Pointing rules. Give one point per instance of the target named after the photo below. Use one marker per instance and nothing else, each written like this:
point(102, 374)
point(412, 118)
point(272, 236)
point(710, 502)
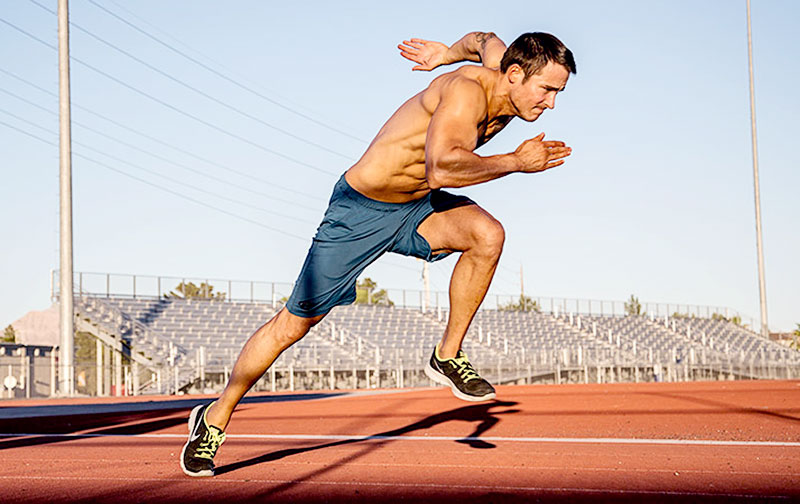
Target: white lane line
point(394, 484)
point(488, 439)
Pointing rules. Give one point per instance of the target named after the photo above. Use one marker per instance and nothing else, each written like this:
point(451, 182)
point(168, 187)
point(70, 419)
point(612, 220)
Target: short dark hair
point(532, 51)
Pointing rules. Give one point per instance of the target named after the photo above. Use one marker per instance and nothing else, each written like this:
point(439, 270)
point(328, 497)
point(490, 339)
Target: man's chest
point(489, 129)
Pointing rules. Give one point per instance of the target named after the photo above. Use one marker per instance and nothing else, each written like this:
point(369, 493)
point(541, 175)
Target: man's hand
point(426, 53)
point(537, 155)
point(483, 47)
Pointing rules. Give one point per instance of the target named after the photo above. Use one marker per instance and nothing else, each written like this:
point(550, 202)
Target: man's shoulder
point(468, 77)
point(467, 82)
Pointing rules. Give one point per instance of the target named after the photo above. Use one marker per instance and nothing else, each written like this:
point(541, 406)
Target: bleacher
point(505, 345)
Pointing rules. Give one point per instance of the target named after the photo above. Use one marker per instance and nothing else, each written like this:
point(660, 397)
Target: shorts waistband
point(346, 190)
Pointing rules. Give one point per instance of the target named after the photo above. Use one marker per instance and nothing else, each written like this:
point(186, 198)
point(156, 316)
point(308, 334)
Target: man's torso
point(393, 167)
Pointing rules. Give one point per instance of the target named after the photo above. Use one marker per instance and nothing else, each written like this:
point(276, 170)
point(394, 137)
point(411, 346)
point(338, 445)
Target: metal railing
point(226, 290)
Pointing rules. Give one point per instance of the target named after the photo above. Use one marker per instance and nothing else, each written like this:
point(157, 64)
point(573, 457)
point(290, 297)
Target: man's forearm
point(484, 47)
point(461, 168)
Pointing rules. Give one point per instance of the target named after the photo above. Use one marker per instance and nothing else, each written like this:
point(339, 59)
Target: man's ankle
point(216, 418)
point(443, 353)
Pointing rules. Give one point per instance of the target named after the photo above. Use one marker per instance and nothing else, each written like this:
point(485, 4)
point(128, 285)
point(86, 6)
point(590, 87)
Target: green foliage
point(192, 291)
point(796, 340)
point(524, 303)
point(633, 307)
point(85, 363)
point(9, 336)
point(736, 319)
point(366, 293)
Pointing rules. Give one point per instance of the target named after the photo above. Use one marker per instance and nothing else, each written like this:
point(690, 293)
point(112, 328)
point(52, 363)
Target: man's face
point(537, 93)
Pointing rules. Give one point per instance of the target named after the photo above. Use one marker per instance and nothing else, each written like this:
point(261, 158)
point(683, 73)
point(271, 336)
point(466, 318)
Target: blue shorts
point(356, 231)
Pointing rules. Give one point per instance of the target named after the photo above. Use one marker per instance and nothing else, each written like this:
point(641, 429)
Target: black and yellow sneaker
point(460, 376)
point(197, 457)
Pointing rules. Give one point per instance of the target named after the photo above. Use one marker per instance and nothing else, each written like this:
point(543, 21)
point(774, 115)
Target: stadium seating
point(506, 345)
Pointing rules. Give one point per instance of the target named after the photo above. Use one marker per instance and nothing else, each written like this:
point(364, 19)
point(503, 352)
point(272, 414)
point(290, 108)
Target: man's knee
point(288, 329)
point(488, 237)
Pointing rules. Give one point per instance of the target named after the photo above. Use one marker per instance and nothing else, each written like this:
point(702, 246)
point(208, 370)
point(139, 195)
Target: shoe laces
point(465, 369)
point(210, 443)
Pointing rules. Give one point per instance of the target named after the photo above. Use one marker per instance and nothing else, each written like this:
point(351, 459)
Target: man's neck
point(498, 97)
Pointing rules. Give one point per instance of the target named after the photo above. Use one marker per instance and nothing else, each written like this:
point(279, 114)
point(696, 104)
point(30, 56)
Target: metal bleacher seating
point(384, 337)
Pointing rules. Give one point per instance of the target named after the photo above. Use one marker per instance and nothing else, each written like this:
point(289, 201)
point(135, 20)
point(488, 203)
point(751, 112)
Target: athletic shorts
point(354, 232)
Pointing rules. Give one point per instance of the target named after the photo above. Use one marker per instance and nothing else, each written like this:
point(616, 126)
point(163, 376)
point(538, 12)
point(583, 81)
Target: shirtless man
point(391, 201)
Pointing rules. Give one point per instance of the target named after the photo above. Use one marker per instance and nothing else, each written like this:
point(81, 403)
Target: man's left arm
point(483, 47)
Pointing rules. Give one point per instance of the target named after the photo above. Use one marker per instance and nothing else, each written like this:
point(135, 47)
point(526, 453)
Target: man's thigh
point(459, 229)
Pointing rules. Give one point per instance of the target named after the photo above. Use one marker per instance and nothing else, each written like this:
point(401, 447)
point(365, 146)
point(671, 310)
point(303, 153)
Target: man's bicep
point(492, 49)
point(454, 124)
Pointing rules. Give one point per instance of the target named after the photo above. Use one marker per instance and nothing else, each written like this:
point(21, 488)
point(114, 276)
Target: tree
point(633, 307)
point(192, 291)
point(9, 336)
point(525, 303)
point(366, 293)
point(795, 343)
point(736, 319)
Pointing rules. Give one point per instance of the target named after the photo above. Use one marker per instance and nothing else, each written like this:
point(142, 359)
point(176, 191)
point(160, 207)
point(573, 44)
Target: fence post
point(99, 371)
point(52, 371)
point(135, 370)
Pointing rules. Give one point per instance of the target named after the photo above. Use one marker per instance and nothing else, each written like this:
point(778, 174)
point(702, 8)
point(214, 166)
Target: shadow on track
point(728, 407)
point(482, 414)
point(89, 420)
point(137, 428)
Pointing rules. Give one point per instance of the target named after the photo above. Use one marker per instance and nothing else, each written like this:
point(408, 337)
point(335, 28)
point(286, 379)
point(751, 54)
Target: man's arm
point(484, 47)
point(453, 134)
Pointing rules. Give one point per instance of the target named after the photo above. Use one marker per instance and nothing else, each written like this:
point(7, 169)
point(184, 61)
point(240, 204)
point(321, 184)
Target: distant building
point(38, 328)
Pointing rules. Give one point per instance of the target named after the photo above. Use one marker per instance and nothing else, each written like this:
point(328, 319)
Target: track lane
point(416, 464)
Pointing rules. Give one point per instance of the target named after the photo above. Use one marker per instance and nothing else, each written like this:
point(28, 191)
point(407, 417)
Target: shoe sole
point(192, 421)
point(442, 380)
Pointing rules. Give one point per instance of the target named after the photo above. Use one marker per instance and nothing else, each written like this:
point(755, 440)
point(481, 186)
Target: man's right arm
point(483, 47)
point(453, 135)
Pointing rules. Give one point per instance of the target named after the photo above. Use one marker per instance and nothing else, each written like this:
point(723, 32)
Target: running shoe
point(460, 376)
point(197, 456)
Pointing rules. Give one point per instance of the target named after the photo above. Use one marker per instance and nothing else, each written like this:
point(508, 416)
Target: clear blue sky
point(656, 200)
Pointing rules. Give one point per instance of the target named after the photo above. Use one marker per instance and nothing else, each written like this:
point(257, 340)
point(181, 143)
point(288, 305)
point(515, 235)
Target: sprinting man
point(391, 201)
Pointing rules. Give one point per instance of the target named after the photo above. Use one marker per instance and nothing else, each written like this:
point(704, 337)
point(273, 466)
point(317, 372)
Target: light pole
point(66, 322)
point(762, 288)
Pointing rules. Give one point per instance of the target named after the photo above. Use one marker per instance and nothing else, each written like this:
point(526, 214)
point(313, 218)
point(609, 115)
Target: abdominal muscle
point(393, 168)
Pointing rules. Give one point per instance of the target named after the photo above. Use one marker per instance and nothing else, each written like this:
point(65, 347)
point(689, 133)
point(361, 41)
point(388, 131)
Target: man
point(390, 201)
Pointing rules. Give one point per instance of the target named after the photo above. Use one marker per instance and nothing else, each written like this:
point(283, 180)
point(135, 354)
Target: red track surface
point(417, 452)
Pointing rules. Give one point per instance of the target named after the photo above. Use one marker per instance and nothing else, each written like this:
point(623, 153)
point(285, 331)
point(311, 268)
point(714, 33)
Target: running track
point(668, 442)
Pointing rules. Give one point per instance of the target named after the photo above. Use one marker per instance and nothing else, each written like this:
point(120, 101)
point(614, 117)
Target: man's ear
point(515, 74)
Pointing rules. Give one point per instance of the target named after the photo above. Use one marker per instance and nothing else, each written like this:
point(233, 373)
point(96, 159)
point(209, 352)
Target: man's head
point(537, 66)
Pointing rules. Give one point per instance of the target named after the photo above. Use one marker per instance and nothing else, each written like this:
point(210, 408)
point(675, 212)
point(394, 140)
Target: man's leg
point(257, 355)
point(207, 423)
point(480, 237)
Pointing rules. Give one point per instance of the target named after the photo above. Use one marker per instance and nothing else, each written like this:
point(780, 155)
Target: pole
point(66, 322)
point(762, 288)
point(426, 285)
